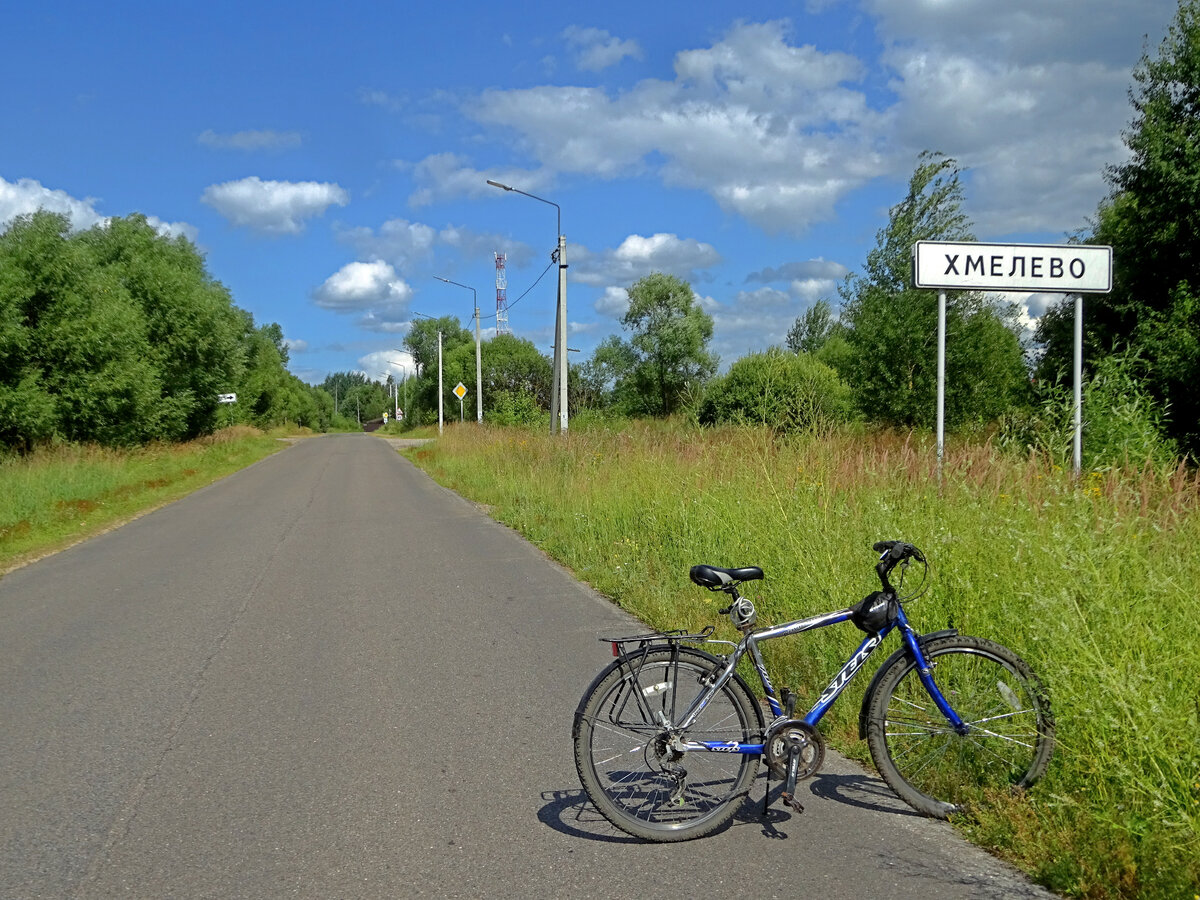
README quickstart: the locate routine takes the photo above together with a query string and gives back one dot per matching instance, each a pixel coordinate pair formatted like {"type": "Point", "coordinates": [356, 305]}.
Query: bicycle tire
{"type": "Point", "coordinates": [932, 768]}
{"type": "Point", "coordinates": [625, 767]}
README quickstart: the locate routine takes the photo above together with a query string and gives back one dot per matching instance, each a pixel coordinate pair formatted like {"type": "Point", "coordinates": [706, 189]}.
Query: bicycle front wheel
{"type": "Point", "coordinates": [1009, 737]}
{"type": "Point", "coordinates": [628, 764]}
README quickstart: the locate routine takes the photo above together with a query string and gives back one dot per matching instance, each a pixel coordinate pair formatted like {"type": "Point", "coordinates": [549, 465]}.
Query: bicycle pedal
{"type": "Point", "coordinates": [791, 802]}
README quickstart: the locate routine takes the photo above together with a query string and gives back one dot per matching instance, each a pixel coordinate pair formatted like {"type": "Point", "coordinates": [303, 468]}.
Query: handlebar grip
{"type": "Point", "coordinates": [898, 550]}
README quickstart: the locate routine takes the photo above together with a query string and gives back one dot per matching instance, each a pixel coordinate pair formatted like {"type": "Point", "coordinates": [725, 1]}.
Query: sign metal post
{"type": "Point", "coordinates": [1042, 268]}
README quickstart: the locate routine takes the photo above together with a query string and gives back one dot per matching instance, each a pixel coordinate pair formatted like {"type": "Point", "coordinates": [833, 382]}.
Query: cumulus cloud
{"type": "Point", "coordinates": [273, 207]}
{"type": "Point", "coordinates": [382, 363]}
{"type": "Point", "coordinates": [613, 302]}
{"type": "Point", "coordinates": [27, 196]}
{"type": "Point", "coordinates": [251, 140]}
{"type": "Point", "coordinates": [754, 320]}
{"type": "Point", "coordinates": [444, 175]}
{"type": "Point", "coordinates": [774, 132]}
{"type": "Point", "coordinates": [596, 49]}
{"type": "Point", "coordinates": [398, 241]}
{"type": "Point", "coordinates": [637, 256]}
{"type": "Point", "coordinates": [1030, 97]}
{"type": "Point", "coordinates": [405, 244]}
{"type": "Point", "coordinates": [373, 290]}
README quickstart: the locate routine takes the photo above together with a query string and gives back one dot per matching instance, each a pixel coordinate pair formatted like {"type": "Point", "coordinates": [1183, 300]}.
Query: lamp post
{"type": "Point", "coordinates": [478, 356]}
{"type": "Point", "coordinates": [558, 391]}
{"type": "Point", "coordinates": [397, 350]}
{"type": "Point", "coordinates": [440, 398]}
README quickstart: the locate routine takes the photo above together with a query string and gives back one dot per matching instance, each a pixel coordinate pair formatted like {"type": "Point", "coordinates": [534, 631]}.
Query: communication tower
{"type": "Point", "coordinates": [501, 295]}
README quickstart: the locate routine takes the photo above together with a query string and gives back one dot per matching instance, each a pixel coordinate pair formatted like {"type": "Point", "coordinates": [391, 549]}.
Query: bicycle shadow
{"type": "Point", "coordinates": [570, 812]}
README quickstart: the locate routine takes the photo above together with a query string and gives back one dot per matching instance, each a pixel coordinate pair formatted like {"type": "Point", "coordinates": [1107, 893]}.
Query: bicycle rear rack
{"type": "Point", "coordinates": [657, 637]}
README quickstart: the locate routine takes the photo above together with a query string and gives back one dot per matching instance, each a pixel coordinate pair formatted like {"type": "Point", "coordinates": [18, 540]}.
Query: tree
{"type": "Point", "coordinates": [810, 331]}
{"type": "Point", "coordinates": [514, 365]}
{"type": "Point", "coordinates": [422, 340]}
{"type": "Point", "coordinates": [76, 349]}
{"type": "Point", "coordinates": [892, 334]}
{"type": "Point", "coordinates": [1152, 221]}
{"type": "Point", "coordinates": [669, 344]}
{"type": "Point", "coordinates": [195, 332]}
{"type": "Point", "coordinates": [603, 382]}
{"type": "Point", "coordinates": [118, 335]}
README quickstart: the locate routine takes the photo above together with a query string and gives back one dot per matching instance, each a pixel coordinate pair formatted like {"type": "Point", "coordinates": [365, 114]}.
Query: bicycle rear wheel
{"type": "Point", "coordinates": [627, 765]}
{"type": "Point", "coordinates": [930, 766]}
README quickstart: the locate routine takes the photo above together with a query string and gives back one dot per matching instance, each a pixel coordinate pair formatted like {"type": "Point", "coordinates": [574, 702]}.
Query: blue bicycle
{"type": "Point", "coordinates": [668, 737]}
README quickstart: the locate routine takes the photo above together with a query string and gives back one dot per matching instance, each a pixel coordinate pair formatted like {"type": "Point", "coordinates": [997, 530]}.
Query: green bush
{"type": "Point", "coordinates": [1122, 424]}
{"type": "Point", "coordinates": [516, 408]}
{"type": "Point", "coordinates": [782, 390]}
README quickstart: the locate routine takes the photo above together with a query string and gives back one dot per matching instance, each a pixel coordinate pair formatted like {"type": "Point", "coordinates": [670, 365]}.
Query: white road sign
{"type": "Point", "coordinates": [1044, 268]}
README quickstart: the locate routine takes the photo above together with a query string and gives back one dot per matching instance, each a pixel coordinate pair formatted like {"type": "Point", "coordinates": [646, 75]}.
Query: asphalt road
{"type": "Point", "coordinates": [326, 676]}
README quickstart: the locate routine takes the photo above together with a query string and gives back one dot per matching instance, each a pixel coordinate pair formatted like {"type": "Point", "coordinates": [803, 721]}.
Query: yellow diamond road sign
{"type": "Point", "coordinates": [460, 390]}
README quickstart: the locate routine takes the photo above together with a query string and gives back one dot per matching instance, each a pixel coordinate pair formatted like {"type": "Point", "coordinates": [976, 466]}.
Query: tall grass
{"type": "Point", "coordinates": [60, 495]}
{"type": "Point", "coordinates": [1092, 583]}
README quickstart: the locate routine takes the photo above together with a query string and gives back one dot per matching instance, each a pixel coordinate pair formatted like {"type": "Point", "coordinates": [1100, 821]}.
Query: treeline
{"type": "Point", "coordinates": [118, 335]}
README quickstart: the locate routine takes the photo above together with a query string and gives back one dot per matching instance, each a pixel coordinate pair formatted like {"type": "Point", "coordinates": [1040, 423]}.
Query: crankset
{"type": "Point", "coordinates": [794, 751]}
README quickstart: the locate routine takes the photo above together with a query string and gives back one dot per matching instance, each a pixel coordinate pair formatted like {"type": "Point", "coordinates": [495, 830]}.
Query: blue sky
{"type": "Point", "coordinates": [330, 160]}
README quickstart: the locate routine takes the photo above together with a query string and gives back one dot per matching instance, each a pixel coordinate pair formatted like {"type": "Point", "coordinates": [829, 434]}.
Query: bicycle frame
{"type": "Point", "coordinates": [749, 644]}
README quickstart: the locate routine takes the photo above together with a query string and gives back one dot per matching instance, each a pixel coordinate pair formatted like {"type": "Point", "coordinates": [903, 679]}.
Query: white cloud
{"type": "Point", "coordinates": [373, 290]}
{"type": "Point", "coordinates": [274, 207]}
{"type": "Point", "coordinates": [251, 140]}
{"type": "Point", "coordinates": [596, 49]}
{"type": "Point", "coordinates": [638, 256]}
{"type": "Point", "coordinates": [1031, 97]}
{"type": "Point", "coordinates": [446, 175]}
{"type": "Point", "coordinates": [378, 365]}
{"type": "Point", "coordinates": [27, 196]}
{"type": "Point", "coordinates": [754, 320]}
{"type": "Point", "coordinates": [296, 345]}
{"type": "Point", "coordinates": [173, 229]}
{"type": "Point", "coordinates": [398, 241]}
{"type": "Point", "coordinates": [613, 302]}
{"type": "Point", "coordinates": [770, 130]}
{"type": "Point", "coordinates": [407, 244]}
{"type": "Point", "coordinates": [814, 289]}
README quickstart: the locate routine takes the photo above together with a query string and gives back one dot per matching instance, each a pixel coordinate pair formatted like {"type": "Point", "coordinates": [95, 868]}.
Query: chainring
{"type": "Point", "coordinates": [779, 743]}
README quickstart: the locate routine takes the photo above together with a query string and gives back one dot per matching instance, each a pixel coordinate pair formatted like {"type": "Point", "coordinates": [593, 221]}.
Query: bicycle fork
{"type": "Point", "coordinates": [925, 674]}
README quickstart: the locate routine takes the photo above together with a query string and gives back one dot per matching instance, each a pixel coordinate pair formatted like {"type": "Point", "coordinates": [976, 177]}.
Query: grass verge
{"type": "Point", "coordinates": [1092, 583]}
{"type": "Point", "coordinates": [56, 497]}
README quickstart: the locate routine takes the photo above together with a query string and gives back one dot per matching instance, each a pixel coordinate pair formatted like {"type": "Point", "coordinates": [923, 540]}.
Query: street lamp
{"type": "Point", "coordinates": [558, 392]}
{"type": "Point", "coordinates": [440, 398]}
{"type": "Point", "coordinates": [478, 357]}
{"type": "Point", "coordinates": [394, 363]}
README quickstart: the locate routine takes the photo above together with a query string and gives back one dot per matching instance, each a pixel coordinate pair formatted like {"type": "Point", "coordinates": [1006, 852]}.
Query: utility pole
{"type": "Point", "coordinates": [558, 393]}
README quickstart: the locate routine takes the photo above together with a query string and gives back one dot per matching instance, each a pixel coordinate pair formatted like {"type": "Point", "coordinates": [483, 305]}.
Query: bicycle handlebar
{"type": "Point", "coordinates": [893, 552]}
